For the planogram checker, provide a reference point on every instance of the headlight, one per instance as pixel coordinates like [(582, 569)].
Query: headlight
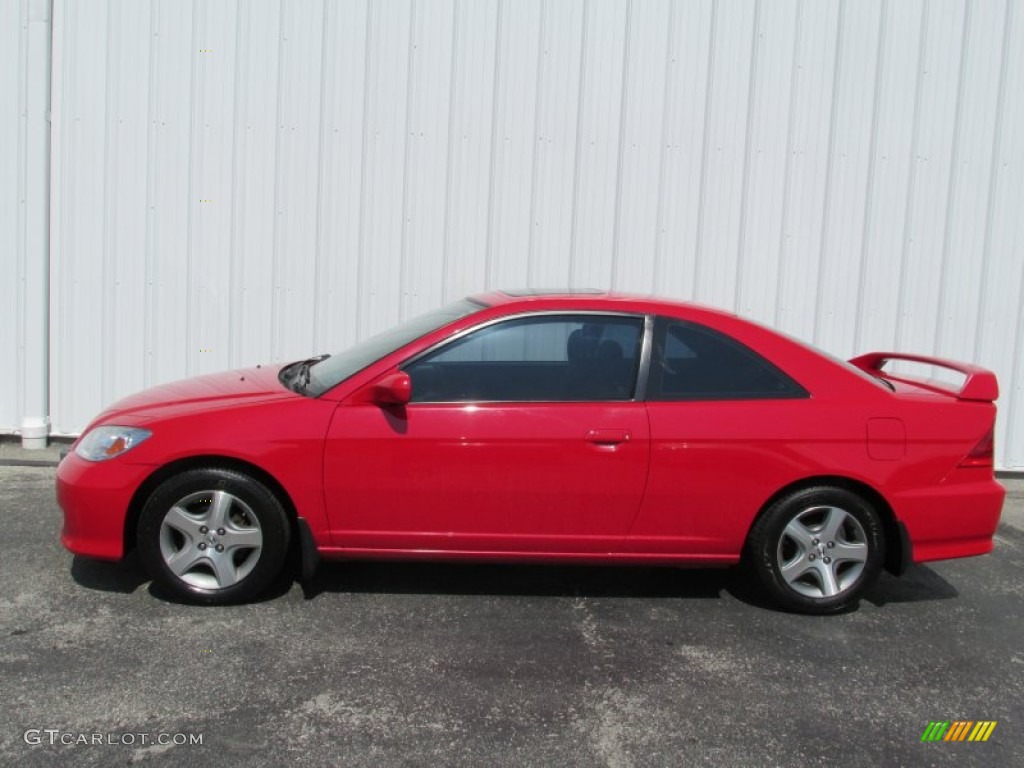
[(104, 443)]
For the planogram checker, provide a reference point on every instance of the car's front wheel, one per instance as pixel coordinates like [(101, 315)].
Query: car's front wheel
[(816, 550), (213, 536)]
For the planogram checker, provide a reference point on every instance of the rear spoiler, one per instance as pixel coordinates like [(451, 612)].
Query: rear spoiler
[(979, 384)]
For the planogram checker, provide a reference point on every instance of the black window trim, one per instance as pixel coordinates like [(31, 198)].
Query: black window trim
[(660, 325), (640, 376)]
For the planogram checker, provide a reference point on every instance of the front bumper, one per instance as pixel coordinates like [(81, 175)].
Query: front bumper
[(95, 497)]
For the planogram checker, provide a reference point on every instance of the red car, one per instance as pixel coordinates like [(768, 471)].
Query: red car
[(546, 427)]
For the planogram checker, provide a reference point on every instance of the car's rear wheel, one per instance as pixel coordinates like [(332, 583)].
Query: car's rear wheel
[(213, 536), (816, 550)]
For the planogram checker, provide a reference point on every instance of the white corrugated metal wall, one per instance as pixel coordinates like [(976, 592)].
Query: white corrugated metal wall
[(235, 182), (24, 204), (12, 191)]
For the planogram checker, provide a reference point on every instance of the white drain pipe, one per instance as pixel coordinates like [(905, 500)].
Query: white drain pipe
[(35, 424)]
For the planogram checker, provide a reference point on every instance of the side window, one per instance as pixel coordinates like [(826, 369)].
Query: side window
[(540, 359), (693, 362)]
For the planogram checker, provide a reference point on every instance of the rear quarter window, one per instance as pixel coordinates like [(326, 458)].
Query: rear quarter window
[(694, 362)]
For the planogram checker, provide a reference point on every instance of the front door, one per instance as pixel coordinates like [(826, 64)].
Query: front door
[(522, 436)]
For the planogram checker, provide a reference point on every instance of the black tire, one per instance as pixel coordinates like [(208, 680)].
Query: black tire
[(225, 534), (834, 531)]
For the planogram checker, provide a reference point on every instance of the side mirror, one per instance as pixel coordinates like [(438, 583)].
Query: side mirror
[(394, 389)]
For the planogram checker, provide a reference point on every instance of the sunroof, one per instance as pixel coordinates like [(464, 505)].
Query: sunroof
[(553, 292)]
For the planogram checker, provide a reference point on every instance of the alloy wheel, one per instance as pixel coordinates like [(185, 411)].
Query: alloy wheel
[(822, 552), (211, 539)]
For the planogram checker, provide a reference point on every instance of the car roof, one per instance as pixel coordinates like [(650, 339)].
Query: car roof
[(575, 297), (519, 293)]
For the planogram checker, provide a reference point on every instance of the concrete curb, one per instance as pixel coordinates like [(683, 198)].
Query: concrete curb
[(13, 455)]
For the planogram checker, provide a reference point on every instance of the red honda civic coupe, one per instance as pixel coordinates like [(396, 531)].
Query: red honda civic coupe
[(546, 427)]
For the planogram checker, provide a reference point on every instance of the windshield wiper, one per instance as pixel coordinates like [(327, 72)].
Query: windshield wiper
[(300, 376)]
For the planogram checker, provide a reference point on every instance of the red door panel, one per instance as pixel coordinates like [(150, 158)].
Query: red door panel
[(501, 477)]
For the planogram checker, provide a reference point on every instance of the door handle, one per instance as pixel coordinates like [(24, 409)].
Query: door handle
[(608, 436)]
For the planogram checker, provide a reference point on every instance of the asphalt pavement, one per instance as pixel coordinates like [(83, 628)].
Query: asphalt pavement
[(465, 665)]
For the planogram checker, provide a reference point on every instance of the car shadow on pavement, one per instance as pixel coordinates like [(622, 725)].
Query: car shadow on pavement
[(919, 584), (532, 580), (124, 577), (128, 575), (514, 580)]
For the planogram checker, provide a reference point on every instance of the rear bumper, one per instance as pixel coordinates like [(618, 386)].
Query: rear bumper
[(94, 497), (952, 520)]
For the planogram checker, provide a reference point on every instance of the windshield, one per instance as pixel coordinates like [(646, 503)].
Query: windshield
[(336, 368)]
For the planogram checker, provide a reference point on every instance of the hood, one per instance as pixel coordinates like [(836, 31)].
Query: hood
[(215, 390)]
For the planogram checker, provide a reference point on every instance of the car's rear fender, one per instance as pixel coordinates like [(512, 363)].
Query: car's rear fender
[(941, 487), (897, 551)]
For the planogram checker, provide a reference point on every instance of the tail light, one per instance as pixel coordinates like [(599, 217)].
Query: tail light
[(981, 455)]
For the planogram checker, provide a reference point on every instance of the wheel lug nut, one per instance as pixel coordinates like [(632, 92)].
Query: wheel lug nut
[(220, 531), (202, 545), (203, 529), (815, 542), (831, 544), (220, 548), (811, 557), (827, 560)]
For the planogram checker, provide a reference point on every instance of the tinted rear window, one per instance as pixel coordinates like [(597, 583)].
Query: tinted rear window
[(694, 362)]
